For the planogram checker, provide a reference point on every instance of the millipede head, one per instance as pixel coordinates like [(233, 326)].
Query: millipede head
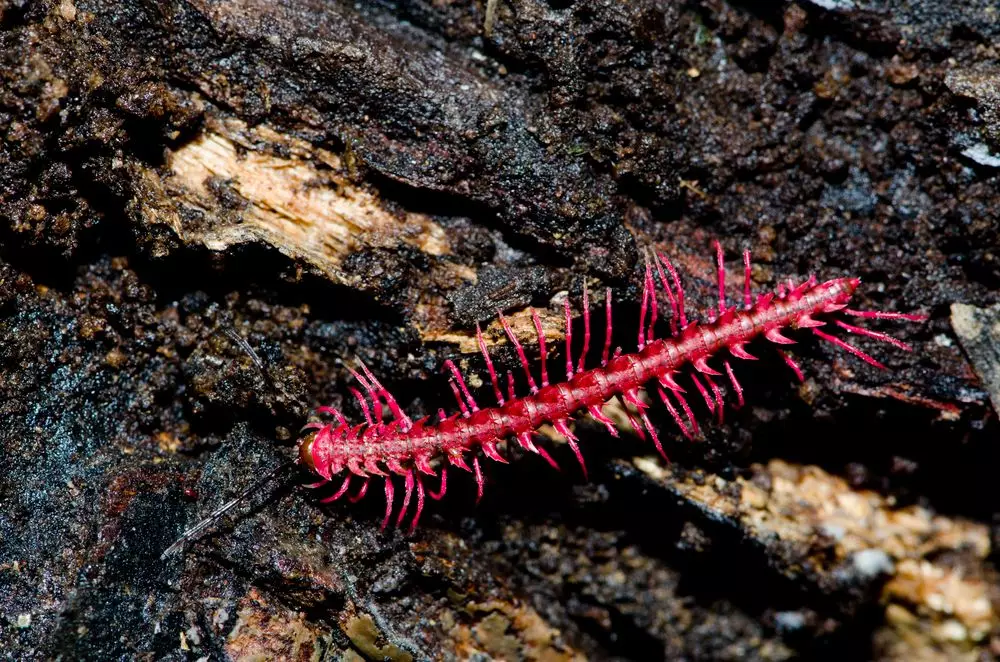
[(306, 451)]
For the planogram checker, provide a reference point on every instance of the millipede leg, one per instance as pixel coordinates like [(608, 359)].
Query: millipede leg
[(607, 327), (677, 286), (735, 383), (450, 365), (721, 271), (568, 315), (646, 295), (685, 430), (579, 457), (653, 305), (747, 297), (793, 364), (370, 390), (388, 502), (339, 493), (848, 348), (850, 328), (489, 365), (548, 458), (437, 496), (674, 314), (333, 411), (636, 426), (390, 400), (479, 479), (704, 393), (717, 394), (876, 314), (458, 398), (541, 345), (692, 421), (408, 486), (520, 353), (420, 506), (655, 437), (642, 318), (586, 328), (364, 404), (361, 492), (571, 438)]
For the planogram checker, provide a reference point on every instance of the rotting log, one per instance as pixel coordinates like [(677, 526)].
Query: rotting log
[(331, 180)]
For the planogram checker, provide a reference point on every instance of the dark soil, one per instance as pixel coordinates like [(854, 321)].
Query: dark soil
[(836, 138)]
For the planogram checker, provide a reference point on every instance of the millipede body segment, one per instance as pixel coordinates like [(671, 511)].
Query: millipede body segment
[(412, 449)]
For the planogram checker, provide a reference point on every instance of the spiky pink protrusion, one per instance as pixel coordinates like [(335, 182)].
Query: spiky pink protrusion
[(401, 447)]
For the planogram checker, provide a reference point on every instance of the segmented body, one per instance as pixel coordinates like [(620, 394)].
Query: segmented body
[(406, 448)]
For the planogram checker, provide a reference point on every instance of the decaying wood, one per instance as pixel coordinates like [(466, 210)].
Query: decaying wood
[(327, 181)]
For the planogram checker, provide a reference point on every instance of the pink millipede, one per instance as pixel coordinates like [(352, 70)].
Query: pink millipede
[(412, 449)]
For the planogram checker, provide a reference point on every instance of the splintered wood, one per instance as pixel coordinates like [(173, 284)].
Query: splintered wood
[(936, 583), (233, 185), (300, 201)]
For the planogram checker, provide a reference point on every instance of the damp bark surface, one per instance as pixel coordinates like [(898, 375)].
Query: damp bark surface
[(210, 210)]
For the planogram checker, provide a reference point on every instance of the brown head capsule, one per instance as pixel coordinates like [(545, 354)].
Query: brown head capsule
[(305, 450)]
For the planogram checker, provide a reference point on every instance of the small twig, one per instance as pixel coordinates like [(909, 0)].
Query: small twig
[(223, 509), (491, 13), (245, 346), (256, 485), (384, 626)]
